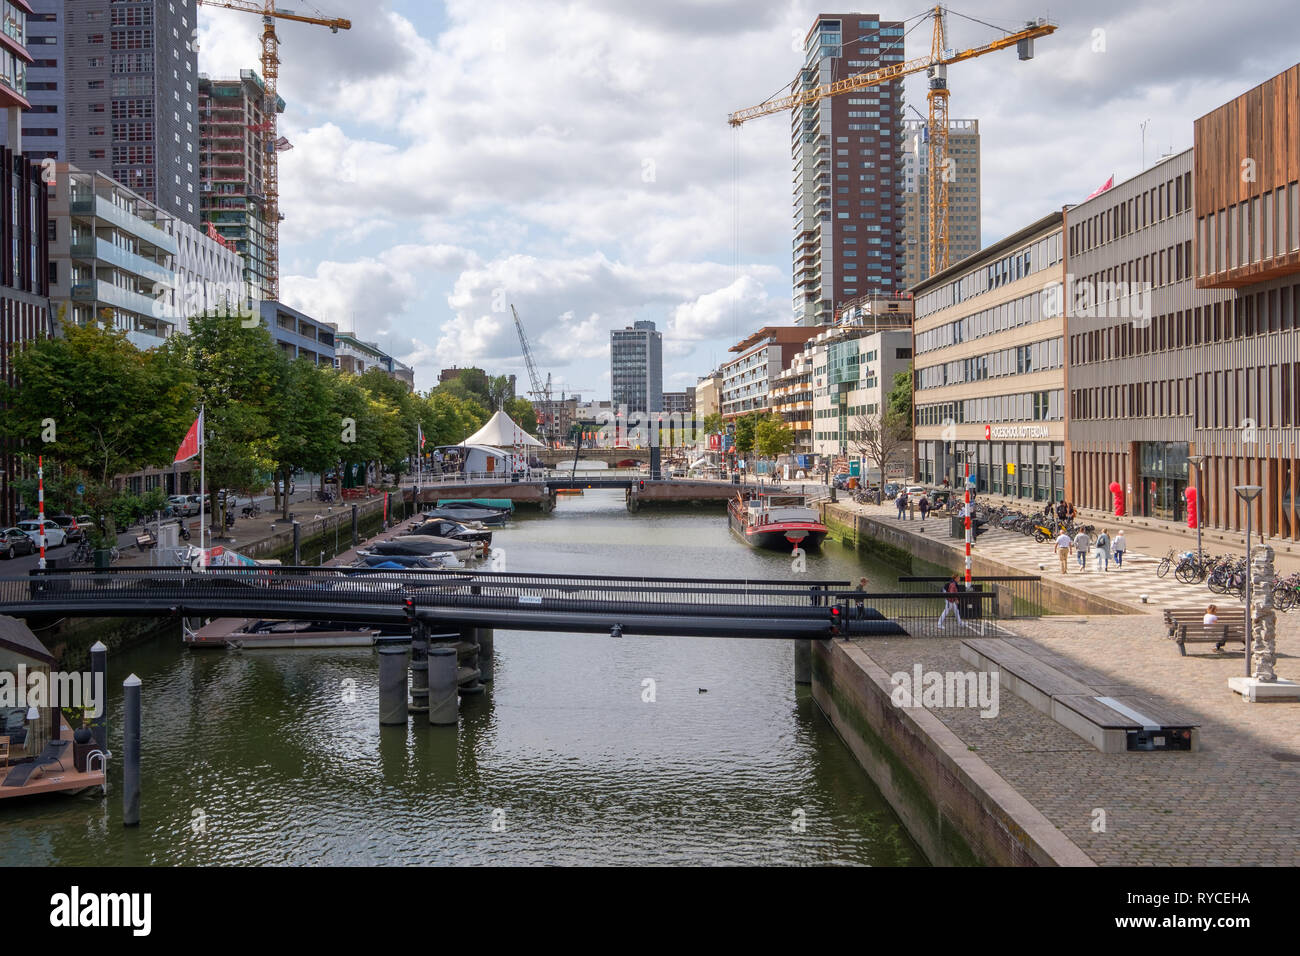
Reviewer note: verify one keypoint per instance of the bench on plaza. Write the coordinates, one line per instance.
(145, 541)
(1110, 715)
(1185, 627)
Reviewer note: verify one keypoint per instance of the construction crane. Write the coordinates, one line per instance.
(936, 64)
(274, 145)
(540, 392)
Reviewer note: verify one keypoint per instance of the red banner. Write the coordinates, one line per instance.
(193, 441)
(715, 443)
(1192, 517)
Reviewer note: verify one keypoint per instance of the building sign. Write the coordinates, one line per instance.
(715, 443)
(1018, 431)
(1011, 468)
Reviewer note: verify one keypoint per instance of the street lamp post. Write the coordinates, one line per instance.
(1051, 481)
(1195, 461)
(1248, 494)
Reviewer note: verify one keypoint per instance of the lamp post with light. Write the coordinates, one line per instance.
(1248, 494)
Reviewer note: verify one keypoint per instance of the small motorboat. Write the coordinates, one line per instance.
(492, 517)
(279, 635)
(777, 522)
(447, 528)
(422, 544)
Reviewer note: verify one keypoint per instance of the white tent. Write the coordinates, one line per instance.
(502, 432)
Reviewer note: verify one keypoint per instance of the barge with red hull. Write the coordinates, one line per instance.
(776, 522)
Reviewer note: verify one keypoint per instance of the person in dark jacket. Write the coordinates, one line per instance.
(925, 508)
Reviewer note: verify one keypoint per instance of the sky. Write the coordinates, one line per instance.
(573, 158)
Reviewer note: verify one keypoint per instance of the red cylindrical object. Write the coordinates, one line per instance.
(1192, 516)
(1117, 498)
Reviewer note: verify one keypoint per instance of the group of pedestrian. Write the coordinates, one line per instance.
(907, 506)
(1104, 546)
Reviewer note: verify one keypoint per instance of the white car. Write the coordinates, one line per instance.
(54, 535)
(915, 493)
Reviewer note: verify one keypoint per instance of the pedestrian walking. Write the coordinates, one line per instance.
(861, 602)
(1118, 547)
(951, 604)
(1082, 544)
(925, 510)
(1061, 511)
(1063, 550)
(1070, 512)
(1103, 551)
(901, 502)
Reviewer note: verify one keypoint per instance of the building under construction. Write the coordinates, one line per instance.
(236, 143)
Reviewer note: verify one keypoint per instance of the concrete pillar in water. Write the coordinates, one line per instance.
(297, 545)
(419, 669)
(803, 662)
(131, 751)
(355, 540)
(99, 680)
(485, 638)
(392, 685)
(443, 697)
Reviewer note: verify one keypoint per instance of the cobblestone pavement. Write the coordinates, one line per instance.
(1129, 583)
(1234, 802)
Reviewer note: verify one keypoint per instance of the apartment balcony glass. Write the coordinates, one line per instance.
(102, 251)
(100, 208)
(109, 294)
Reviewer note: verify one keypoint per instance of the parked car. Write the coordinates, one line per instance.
(182, 505)
(279, 487)
(14, 541)
(71, 530)
(915, 493)
(54, 535)
(892, 489)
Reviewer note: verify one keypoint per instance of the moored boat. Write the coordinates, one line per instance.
(778, 522)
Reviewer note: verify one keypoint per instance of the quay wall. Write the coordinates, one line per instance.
(959, 811)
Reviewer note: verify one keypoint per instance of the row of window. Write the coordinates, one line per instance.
(1259, 228)
(1020, 360)
(1153, 205)
(1263, 396)
(1272, 310)
(1042, 406)
(1032, 258)
(1009, 315)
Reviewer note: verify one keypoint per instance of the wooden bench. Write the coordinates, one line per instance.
(145, 541)
(1184, 624)
(1110, 715)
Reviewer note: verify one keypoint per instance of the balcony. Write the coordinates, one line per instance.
(103, 292)
(98, 207)
(101, 251)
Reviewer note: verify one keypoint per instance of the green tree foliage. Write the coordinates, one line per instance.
(524, 415)
(308, 428)
(96, 407)
(900, 396)
(773, 437)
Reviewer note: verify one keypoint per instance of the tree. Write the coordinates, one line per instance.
(900, 396)
(773, 437)
(308, 430)
(713, 424)
(524, 414)
(883, 438)
(97, 407)
(500, 392)
(239, 372)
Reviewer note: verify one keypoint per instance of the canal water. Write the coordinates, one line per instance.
(277, 757)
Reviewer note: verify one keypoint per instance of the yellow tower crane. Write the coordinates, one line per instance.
(936, 63)
(270, 75)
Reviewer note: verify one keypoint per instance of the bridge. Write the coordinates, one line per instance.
(555, 457)
(596, 604)
(541, 491)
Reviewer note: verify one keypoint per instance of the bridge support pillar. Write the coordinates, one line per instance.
(392, 685)
(297, 545)
(803, 662)
(548, 502)
(485, 651)
(131, 751)
(633, 506)
(99, 680)
(469, 635)
(443, 697)
(419, 669)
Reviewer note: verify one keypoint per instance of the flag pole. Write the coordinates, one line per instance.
(203, 493)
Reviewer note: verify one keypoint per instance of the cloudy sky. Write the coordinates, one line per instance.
(574, 159)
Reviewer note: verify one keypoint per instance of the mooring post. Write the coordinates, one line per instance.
(355, 540)
(392, 684)
(485, 637)
(99, 680)
(131, 751)
(443, 697)
(297, 544)
(803, 662)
